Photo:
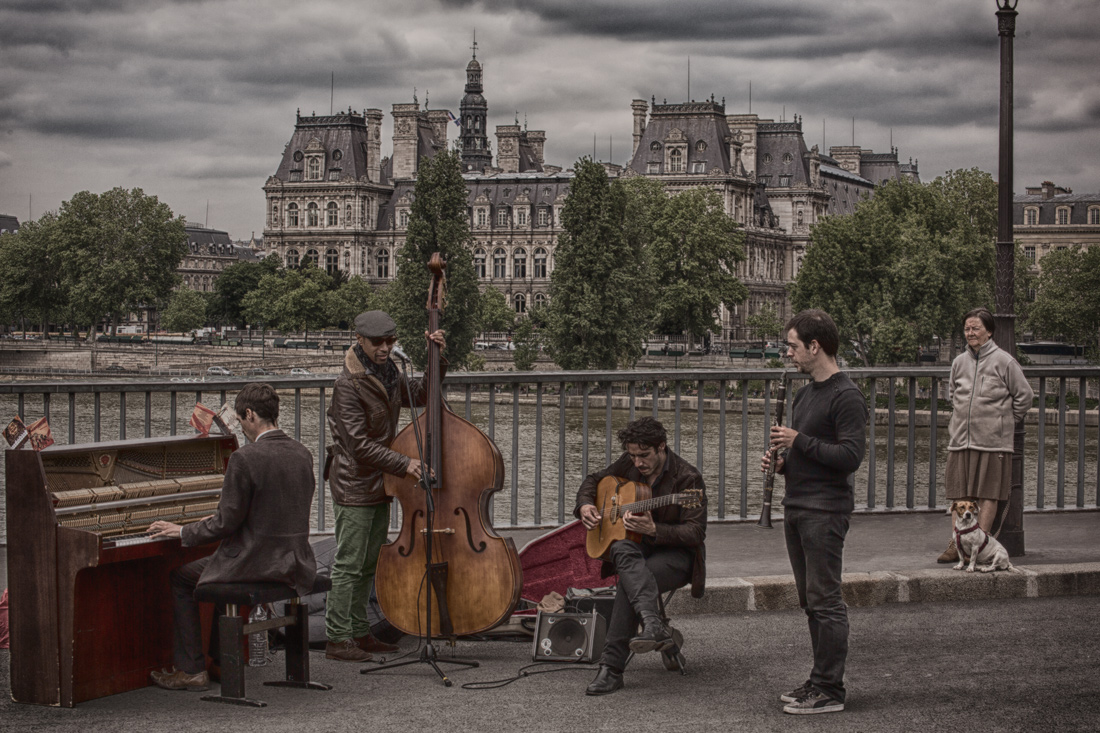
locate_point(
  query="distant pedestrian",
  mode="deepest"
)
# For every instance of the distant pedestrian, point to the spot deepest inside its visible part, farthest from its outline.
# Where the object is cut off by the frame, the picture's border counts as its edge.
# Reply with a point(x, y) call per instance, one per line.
point(819, 452)
point(989, 395)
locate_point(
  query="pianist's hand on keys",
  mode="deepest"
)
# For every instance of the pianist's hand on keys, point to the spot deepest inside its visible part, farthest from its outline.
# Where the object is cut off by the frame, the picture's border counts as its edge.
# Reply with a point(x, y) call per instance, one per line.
point(160, 528)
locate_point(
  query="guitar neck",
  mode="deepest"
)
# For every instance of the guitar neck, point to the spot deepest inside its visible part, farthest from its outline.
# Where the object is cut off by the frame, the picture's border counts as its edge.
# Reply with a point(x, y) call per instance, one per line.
point(645, 505)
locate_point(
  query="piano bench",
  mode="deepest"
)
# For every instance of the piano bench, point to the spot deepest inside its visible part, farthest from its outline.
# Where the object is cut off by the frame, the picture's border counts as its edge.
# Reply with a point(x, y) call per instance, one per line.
point(233, 633)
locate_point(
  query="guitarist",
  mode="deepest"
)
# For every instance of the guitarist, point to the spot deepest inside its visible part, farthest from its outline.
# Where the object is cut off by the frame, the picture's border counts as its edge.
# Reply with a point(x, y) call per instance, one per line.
point(670, 555)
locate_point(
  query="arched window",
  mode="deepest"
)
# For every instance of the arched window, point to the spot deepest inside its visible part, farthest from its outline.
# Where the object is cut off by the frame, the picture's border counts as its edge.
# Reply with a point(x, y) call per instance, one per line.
point(676, 161)
point(332, 261)
point(313, 214)
point(382, 260)
point(540, 300)
point(313, 256)
point(520, 302)
point(274, 215)
point(313, 169)
point(479, 262)
point(292, 215)
point(519, 264)
point(540, 262)
point(292, 258)
point(500, 263)
point(332, 214)
point(502, 216)
point(403, 218)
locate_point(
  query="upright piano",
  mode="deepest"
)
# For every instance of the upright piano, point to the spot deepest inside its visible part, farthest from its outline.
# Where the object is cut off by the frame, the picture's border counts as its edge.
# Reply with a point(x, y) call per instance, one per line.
point(90, 606)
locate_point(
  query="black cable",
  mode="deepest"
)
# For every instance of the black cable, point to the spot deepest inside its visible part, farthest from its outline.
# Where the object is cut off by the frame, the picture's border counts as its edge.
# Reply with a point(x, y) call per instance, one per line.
point(495, 684)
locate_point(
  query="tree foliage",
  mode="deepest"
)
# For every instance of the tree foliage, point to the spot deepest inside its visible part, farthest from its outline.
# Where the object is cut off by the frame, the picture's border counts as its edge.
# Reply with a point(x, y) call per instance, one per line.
point(234, 283)
point(30, 277)
point(350, 299)
point(186, 311)
point(905, 266)
point(438, 222)
point(693, 257)
point(494, 313)
point(765, 322)
point(290, 300)
point(1067, 300)
point(527, 341)
point(118, 250)
point(600, 297)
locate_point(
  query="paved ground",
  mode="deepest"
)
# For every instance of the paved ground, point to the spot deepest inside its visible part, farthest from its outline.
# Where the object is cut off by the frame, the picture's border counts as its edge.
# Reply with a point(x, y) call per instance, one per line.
point(1009, 663)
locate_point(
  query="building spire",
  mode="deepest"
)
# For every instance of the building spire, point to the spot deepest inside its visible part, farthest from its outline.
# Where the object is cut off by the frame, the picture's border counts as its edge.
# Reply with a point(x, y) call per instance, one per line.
point(474, 47)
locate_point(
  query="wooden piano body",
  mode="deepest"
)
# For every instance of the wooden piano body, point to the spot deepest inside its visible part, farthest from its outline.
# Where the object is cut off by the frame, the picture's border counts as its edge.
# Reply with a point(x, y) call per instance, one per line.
point(90, 605)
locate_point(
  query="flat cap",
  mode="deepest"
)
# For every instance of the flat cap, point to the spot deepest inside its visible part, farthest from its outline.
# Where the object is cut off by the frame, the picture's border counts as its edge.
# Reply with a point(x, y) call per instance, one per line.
point(375, 324)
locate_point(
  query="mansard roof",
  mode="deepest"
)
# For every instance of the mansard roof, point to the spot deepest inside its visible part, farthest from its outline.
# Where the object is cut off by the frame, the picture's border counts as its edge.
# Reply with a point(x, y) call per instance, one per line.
point(342, 137)
point(693, 122)
point(1078, 203)
point(8, 224)
point(781, 151)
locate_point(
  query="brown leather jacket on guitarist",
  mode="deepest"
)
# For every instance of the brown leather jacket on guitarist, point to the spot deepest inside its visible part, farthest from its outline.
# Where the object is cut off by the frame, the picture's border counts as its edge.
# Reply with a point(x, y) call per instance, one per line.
point(677, 526)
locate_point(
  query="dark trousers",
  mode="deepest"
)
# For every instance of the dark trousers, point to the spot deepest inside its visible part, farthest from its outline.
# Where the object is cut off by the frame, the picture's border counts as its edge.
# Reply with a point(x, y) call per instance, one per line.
point(187, 653)
point(644, 572)
point(815, 545)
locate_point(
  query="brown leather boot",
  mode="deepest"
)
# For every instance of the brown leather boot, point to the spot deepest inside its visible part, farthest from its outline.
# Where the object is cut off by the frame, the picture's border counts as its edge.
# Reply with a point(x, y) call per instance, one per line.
point(375, 645)
point(346, 651)
point(951, 554)
point(179, 680)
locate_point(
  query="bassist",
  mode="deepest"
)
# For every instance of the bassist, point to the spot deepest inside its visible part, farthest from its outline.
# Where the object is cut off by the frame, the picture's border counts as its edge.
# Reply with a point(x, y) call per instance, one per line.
point(670, 555)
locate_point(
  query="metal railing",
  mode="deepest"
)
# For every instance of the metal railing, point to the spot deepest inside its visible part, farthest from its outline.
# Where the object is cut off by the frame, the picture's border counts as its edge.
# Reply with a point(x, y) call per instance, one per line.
point(559, 421)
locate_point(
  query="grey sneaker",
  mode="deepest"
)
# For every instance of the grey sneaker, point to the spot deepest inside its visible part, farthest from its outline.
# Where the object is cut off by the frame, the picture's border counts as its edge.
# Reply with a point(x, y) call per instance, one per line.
point(813, 703)
point(798, 693)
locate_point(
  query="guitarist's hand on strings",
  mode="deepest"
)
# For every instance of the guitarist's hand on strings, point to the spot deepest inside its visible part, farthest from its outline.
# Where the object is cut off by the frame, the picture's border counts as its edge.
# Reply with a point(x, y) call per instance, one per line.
point(590, 516)
point(641, 523)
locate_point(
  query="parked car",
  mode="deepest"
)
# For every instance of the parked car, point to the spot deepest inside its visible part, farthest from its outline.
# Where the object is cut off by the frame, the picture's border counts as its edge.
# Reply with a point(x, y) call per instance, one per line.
point(259, 372)
point(300, 372)
point(117, 368)
point(218, 371)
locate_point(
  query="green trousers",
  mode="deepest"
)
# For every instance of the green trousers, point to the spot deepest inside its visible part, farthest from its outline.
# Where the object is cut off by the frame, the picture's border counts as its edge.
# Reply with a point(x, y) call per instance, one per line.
point(360, 533)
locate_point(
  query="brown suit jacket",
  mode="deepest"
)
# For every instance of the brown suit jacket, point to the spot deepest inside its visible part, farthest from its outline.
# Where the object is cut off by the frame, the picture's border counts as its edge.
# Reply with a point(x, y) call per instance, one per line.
point(676, 525)
point(262, 518)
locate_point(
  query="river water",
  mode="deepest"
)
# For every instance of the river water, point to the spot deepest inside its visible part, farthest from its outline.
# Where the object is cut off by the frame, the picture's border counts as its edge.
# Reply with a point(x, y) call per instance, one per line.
point(556, 489)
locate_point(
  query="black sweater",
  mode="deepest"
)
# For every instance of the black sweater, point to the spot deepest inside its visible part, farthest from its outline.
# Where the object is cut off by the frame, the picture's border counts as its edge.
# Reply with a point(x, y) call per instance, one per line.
point(831, 420)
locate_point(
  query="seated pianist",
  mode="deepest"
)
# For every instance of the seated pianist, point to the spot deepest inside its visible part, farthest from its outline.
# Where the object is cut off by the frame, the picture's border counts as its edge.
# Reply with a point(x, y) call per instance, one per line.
point(262, 521)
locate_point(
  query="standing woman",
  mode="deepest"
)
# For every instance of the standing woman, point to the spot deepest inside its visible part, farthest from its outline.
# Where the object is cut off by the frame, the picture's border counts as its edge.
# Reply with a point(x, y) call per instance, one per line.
point(988, 395)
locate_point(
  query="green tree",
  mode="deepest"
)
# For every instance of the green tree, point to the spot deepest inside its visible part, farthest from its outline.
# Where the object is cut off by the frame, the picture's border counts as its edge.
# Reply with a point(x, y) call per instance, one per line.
point(494, 313)
point(1067, 299)
point(905, 266)
point(438, 222)
point(290, 300)
point(30, 282)
point(234, 283)
point(120, 250)
point(765, 322)
point(600, 303)
point(186, 311)
point(349, 300)
point(527, 341)
point(693, 256)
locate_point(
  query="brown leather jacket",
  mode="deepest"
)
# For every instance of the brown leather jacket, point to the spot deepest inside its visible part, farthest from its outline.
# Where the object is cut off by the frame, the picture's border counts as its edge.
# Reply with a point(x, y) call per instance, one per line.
point(676, 525)
point(363, 422)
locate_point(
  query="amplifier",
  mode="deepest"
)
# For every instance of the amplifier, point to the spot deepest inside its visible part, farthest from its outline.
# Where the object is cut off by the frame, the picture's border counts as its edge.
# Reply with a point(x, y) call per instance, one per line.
point(568, 637)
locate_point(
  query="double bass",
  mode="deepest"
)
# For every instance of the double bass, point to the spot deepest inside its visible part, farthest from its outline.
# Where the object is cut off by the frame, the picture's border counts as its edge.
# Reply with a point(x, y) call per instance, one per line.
point(474, 573)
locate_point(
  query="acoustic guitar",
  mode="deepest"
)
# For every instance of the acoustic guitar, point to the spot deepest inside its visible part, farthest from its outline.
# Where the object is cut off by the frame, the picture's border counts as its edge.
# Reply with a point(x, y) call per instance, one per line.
point(615, 497)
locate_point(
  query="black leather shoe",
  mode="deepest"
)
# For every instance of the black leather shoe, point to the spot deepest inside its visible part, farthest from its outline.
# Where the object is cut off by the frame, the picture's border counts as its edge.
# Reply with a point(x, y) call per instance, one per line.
point(655, 637)
point(607, 681)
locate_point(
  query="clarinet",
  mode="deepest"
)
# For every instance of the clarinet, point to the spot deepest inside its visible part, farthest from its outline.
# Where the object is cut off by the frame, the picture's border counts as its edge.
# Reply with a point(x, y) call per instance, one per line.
point(769, 476)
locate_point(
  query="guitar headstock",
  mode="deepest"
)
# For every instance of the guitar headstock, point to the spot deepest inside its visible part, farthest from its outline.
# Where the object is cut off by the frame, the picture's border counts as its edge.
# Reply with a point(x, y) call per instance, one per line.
point(691, 498)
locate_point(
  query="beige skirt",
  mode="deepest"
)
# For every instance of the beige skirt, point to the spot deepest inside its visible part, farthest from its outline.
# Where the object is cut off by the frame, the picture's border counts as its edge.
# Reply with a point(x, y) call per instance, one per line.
point(978, 474)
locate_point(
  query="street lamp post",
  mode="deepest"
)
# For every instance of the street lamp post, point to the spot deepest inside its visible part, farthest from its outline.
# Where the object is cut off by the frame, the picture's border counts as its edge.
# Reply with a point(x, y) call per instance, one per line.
point(1012, 532)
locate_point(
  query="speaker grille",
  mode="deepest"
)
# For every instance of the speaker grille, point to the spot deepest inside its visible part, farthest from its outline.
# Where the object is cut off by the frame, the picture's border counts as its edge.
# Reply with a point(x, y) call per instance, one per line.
point(566, 637)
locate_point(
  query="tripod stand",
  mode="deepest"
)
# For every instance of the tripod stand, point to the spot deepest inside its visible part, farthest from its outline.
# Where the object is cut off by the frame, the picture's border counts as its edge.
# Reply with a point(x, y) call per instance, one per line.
point(432, 571)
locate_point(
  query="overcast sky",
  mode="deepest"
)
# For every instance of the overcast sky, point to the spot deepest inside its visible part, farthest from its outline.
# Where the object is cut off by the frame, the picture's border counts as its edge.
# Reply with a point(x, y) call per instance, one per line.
point(194, 101)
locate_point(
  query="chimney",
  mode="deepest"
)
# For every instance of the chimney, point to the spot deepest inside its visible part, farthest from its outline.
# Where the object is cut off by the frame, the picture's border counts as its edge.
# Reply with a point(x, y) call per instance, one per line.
point(1048, 190)
point(374, 145)
point(536, 139)
point(849, 157)
point(439, 118)
point(639, 107)
point(406, 121)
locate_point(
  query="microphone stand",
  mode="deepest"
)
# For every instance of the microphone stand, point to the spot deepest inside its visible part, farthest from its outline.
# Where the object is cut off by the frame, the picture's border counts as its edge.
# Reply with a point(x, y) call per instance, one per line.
point(428, 653)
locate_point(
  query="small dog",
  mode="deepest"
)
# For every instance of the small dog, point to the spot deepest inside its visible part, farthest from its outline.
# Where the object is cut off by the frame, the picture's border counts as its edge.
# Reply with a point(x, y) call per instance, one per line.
point(974, 542)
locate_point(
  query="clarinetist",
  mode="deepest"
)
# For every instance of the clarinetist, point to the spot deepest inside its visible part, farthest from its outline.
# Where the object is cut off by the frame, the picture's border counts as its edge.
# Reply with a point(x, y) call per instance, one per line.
point(817, 456)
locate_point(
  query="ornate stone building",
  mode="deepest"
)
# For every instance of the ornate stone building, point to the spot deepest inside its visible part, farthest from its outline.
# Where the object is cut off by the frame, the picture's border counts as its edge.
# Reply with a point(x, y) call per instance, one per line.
point(337, 202)
point(209, 252)
point(1049, 217)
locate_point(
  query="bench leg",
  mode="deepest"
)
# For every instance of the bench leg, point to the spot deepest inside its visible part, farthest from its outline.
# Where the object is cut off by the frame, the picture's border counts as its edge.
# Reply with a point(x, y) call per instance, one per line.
point(297, 650)
point(231, 637)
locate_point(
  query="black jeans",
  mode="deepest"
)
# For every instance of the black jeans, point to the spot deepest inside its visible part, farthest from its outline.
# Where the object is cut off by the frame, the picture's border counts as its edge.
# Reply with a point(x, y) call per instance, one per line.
point(645, 571)
point(187, 653)
point(815, 545)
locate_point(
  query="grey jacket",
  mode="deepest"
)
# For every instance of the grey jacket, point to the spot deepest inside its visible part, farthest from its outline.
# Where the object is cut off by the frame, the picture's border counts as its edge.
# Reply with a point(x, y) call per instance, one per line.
point(988, 395)
point(262, 517)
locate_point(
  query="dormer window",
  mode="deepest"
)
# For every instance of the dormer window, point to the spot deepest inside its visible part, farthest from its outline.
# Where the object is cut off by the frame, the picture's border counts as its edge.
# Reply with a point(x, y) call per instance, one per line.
point(655, 146)
point(403, 218)
point(521, 217)
point(1062, 215)
point(1031, 216)
point(502, 216)
point(701, 146)
point(698, 167)
point(313, 168)
point(675, 161)
point(1094, 215)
